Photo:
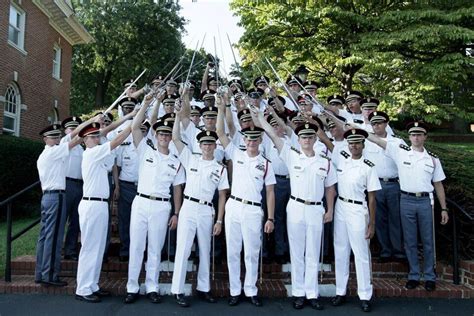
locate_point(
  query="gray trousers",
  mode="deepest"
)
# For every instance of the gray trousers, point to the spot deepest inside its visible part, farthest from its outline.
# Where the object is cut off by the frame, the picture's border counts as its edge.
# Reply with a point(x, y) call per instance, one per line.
point(73, 197)
point(282, 196)
point(128, 191)
point(416, 214)
point(48, 248)
point(388, 226)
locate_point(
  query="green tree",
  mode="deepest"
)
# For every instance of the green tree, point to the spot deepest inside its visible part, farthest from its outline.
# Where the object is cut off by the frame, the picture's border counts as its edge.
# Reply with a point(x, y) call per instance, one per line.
point(412, 54)
point(129, 36)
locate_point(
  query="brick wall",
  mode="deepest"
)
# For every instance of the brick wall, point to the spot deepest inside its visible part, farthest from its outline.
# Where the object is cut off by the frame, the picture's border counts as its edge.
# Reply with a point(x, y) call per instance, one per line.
point(38, 88)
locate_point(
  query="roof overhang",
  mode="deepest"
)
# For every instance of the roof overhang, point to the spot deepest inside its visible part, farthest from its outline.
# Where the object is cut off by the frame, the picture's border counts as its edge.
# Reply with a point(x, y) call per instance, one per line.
point(62, 18)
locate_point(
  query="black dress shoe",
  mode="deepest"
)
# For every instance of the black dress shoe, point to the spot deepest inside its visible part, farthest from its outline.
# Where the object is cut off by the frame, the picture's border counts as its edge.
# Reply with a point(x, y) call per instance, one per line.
point(91, 298)
point(154, 297)
point(234, 300)
point(130, 298)
point(412, 284)
point(298, 302)
point(255, 301)
point(123, 258)
point(181, 300)
point(430, 286)
point(206, 296)
point(71, 257)
point(316, 304)
point(57, 283)
point(338, 300)
point(101, 293)
point(365, 306)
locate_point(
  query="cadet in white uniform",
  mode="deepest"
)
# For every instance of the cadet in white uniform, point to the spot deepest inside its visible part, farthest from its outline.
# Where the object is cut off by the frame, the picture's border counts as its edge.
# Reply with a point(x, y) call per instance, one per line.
point(158, 170)
point(204, 174)
point(420, 172)
point(93, 211)
point(311, 175)
point(52, 164)
point(354, 219)
point(244, 214)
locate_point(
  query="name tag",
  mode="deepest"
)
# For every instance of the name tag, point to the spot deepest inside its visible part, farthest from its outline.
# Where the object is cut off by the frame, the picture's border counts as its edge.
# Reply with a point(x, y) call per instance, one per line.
point(240, 162)
point(149, 160)
point(297, 167)
point(192, 169)
point(406, 163)
point(126, 158)
point(338, 170)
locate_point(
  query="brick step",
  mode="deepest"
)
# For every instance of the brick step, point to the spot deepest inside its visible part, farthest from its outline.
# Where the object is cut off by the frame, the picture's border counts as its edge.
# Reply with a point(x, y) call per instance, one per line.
point(268, 288)
point(25, 265)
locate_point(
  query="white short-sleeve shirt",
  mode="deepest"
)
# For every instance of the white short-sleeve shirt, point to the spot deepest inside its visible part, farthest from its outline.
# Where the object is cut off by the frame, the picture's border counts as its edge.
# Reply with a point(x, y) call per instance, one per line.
point(355, 176)
point(250, 174)
point(95, 170)
point(203, 177)
point(73, 169)
point(126, 157)
point(416, 170)
point(156, 171)
point(308, 175)
point(51, 166)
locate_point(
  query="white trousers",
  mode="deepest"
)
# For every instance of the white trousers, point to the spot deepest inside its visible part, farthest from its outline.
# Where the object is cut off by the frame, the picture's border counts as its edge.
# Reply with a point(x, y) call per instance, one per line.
point(193, 218)
point(93, 222)
point(304, 223)
point(243, 223)
point(149, 220)
point(350, 226)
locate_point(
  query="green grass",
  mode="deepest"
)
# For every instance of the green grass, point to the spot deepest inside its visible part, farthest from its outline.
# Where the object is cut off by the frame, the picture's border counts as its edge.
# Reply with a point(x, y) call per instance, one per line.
point(25, 245)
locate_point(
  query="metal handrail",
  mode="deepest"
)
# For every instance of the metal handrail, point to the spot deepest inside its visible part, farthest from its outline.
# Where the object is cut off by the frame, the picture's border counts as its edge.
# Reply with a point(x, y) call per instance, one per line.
point(454, 217)
point(8, 202)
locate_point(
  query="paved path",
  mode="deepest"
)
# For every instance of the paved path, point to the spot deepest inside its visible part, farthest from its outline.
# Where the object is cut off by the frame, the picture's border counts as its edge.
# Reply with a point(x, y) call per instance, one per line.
point(29, 304)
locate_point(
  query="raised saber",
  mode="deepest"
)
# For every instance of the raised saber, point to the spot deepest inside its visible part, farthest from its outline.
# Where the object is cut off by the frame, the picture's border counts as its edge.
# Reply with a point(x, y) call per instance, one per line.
point(283, 84)
point(232, 50)
point(217, 65)
point(123, 93)
point(192, 62)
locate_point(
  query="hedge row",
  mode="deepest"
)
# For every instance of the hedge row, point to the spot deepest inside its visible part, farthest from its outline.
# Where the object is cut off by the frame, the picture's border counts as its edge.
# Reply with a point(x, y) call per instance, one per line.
point(17, 164)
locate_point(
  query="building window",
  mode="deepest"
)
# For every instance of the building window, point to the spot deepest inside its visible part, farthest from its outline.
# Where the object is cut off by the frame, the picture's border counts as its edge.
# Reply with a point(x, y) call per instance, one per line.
point(16, 28)
point(57, 62)
point(11, 114)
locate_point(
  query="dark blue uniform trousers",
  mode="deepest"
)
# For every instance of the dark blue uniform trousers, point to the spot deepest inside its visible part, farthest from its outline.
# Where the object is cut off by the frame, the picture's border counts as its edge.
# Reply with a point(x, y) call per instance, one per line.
point(48, 249)
point(73, 197)
point(128, 191)
point(388, 226)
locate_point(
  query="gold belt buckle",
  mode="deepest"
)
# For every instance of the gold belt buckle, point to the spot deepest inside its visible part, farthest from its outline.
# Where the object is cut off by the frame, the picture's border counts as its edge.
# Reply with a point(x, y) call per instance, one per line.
point(418, 194)
point(345, 200)
point(153, 198)
point(385, 179)
point(245, 201)
point(307, 202)
point(202, 202)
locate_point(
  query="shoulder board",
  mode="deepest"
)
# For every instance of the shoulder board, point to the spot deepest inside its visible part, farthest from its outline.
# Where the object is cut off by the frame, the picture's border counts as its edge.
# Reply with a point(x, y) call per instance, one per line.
point(405, 147)
point(325, 157)
point(368, 163)
point(184, 142)
point(125, 143)
point(396, 136)
point(196, 153)
point(345, 154)
point(358, 121)
point(266, 158)
point(432, 154)
point(149, 142)
point(175, 156)
point(295, 150)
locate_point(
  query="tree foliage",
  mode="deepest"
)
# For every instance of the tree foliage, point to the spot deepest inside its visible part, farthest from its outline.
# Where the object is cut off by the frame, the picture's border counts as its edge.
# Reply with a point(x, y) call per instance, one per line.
point(415, 56)
point(129, 36)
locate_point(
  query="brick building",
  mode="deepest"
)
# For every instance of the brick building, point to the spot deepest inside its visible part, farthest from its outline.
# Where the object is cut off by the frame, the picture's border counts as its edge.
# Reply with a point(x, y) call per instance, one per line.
point(36, 39)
